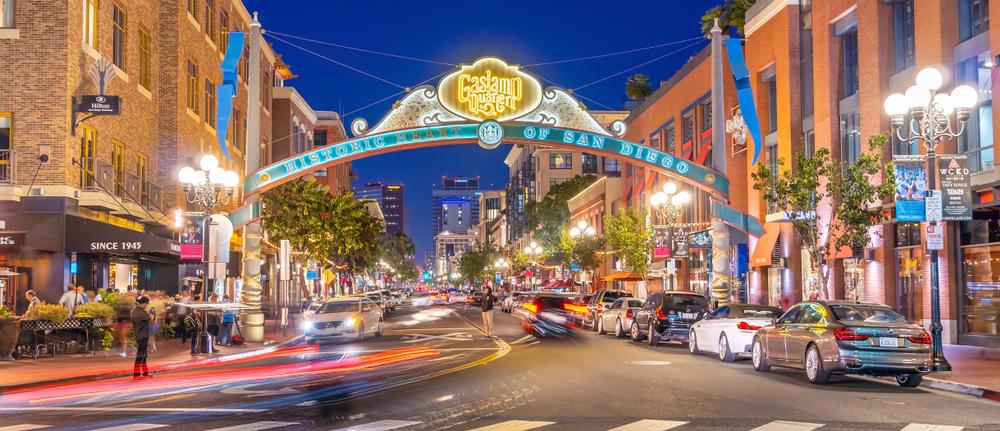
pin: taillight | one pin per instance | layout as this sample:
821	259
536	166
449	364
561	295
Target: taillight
532	307
848	335
923	338
575	308
628	313
600	308
744	326
660	315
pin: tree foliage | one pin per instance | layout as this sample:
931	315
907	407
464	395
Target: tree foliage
850	190
629	238
549	217
638	88
476	265
732	13
397	251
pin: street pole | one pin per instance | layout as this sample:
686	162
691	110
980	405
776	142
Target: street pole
253	319
205	342
940	362
721	252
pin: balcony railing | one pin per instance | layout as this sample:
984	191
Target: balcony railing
151	195
6	167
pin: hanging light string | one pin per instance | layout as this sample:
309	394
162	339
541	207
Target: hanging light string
370	75
681	49
611	54
396	93
354	48
573	92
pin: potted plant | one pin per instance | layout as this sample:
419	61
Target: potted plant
53	313
9	331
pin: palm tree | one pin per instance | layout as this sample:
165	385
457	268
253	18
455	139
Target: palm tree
637	87
732	13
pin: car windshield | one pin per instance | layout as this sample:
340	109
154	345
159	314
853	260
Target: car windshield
757	312
612	296
338	307
634	303
685	300
866	313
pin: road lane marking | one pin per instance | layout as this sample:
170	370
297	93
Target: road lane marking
23	427
787	426
523	339
131	409
131	427
385	425
256	426
649	425
929	427
514	425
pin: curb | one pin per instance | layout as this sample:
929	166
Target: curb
961	388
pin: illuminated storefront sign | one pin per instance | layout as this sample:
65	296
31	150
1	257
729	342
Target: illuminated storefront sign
489	89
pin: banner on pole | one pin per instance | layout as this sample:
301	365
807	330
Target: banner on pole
911	187
956	186
661	242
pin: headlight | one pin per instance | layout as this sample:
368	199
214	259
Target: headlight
351	322
307	326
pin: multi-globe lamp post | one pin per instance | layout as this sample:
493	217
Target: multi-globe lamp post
206	188
930	121
668	204
534	251
582	230
501	266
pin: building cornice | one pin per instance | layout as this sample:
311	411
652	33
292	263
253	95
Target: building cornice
762	12
292	94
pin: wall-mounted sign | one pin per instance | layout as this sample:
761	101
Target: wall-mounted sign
911	187
100	104
935	237
11	240
700	239
737	128
489	89
956	186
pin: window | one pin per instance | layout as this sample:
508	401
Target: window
806	57
555	181
90	23
561	161
7	13
118	37
144	60
140	170
654	140
244	63
706	115
772	104
850	137
811	314
977	141
809	142
210	103
265	93
669	140
193	9
118	164
849	62
973	18
319	137
210	19
612	165
687	128
902	34
192	86
6	174
223	29
589	163
904	147
88	152
234	128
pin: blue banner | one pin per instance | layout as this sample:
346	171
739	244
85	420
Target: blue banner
744	93
227	90
911	187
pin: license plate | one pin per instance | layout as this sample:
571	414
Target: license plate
689	315
888	342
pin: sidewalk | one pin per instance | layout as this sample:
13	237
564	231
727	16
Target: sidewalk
170	354
975	371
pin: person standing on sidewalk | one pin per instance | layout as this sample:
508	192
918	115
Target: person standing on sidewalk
191	324
140	330
487	307
226	330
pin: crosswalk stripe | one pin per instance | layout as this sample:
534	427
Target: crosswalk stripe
787	426
385	425
928	427
649	425
23	427
256	426
514	426
131	427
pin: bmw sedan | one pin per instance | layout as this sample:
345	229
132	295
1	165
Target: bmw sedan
840	337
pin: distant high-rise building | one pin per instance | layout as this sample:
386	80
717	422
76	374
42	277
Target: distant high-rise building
455	204
390	202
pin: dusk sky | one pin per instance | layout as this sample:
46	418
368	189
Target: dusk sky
519	32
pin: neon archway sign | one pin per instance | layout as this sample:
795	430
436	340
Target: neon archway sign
488	103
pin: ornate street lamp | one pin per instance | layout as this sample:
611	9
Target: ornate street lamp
931	122
533	251
582	229
668	205
206	188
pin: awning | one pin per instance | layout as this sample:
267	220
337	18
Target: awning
765	245
92	236
623	276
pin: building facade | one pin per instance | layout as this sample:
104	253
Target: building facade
329	129
455	204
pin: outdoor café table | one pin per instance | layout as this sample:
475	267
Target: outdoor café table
46	326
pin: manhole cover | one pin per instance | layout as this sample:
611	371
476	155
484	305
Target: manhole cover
648	362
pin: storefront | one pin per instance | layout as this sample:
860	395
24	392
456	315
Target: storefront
910	258
979	291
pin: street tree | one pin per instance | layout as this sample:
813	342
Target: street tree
353	233
300	212
474	266
852	193
629	237
549	217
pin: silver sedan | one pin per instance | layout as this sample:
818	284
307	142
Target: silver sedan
618	316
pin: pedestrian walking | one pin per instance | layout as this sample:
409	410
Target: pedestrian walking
226	330
191	325
154	325
123	323
487	307
182	312
140	330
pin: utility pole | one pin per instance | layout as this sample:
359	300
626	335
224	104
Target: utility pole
721	270
253	320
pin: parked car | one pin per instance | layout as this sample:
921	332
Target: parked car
383	302
355	317
841	337
729	330
601	299
513	300
667	316
547	315
618	316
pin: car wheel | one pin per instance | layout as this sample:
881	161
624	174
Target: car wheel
759	356
653	338
815	371
361	332
725	354
634	332
909	380
693	343
378	330
593	323
600	327
619	330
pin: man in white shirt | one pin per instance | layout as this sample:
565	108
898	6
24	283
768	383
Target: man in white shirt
73	297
